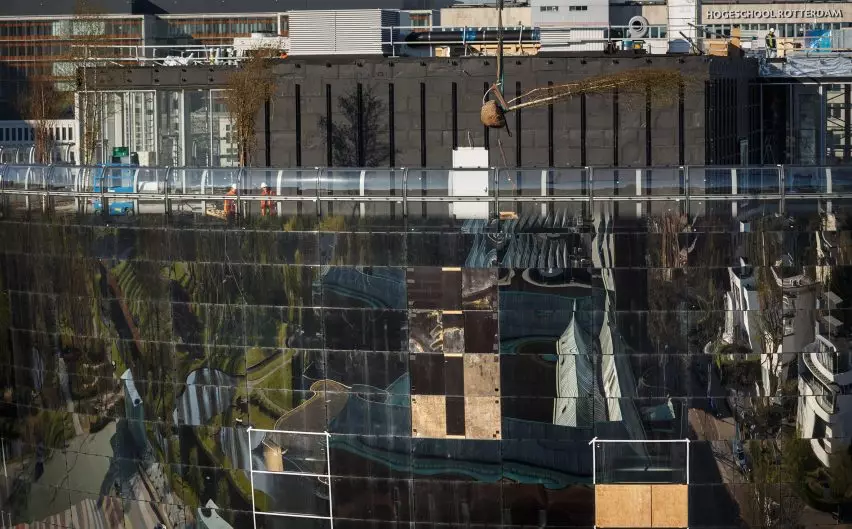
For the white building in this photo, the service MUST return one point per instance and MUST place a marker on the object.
(825, 377)
(742, 307)
(743, 322)
(17, 141)
(578, 402)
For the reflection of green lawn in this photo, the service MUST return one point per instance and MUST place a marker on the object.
(260, 419)
(254, 355)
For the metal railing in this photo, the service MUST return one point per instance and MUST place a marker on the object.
(785, 185)
(473, 40)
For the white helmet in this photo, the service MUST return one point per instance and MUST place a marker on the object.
(263, 185)
(233, 186)
(772, 30)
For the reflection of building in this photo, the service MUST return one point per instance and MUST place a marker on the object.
(578, 402)
(134, 413)
(742, 308)
(798, 301)
(825, 373)
(17, 140)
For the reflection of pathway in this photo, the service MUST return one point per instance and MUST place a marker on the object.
(66, 393)
(262, 363)
(119, 297)
(141, 513)
(313, 415)
(72, 471)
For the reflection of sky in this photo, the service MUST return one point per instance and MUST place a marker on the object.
(381, 288)
(541, 453)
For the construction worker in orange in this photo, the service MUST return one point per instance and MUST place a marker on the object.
(230, 205)
(267, 207)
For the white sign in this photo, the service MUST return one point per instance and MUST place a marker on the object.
(759, 14)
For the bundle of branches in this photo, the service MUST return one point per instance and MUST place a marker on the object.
(659, 85)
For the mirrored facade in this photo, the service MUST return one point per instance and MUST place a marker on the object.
(386, 354)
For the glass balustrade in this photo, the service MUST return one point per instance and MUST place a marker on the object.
(655, 187)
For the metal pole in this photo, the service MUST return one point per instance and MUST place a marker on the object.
(317, 194)
(167, 207)
(404, 192)
(594, 461)
(687, 460)
(328, 475)
(251, 478)
(3, 185)
(45, 203)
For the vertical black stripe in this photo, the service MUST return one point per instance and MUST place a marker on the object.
(847, 117)
(615, 118)
(391, 127)
(267, 134)
(298, 125)
(423, 124)
(328, 132)
(648, 160)
(583, 129)
(709, 129)
(454, 375)
(486, 130)
(455, 415)
(550, 160)
(455, 116)
(518, 129)
(360, 133)
(681, 126)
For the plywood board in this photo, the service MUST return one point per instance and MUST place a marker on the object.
(272, 458)
(482, 417)
(482, 375)
(623, 506)
(428, 416)
(669, 506)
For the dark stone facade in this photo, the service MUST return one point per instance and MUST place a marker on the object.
(423, 108)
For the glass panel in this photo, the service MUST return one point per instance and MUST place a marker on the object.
(198, 128)
(169, 108)
(225, 153)
(805, 180)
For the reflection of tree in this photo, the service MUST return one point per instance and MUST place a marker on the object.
(840, 476)
(194, 475)
(770, 319)
(666, 282)
(223, 495)
(774, 498)
(345, 132)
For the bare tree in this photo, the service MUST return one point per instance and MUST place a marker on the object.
(345, 133)
(250, 86)
(86, 53)
(42, 104)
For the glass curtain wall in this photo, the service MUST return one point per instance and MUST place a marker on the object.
(225, 152)
(198, 128)
(837, 107)
(819, 128)
(169, 128)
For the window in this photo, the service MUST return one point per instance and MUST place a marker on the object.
(548, 8)
(578, 8)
